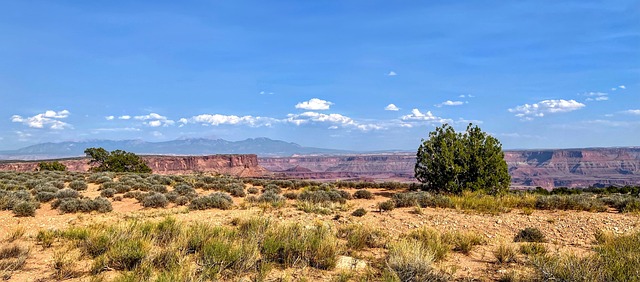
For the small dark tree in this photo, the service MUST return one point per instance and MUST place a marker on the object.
(52, 166)
(116, 161)
(453, 162)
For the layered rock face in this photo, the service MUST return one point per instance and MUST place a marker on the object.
(366, 167)
(545, 168)
(575, 168)
(237, 165)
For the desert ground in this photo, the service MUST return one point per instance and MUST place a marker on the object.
(566, 232)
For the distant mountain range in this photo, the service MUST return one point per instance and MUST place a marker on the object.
(198, 146)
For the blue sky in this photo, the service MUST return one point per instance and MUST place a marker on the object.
(363, 75)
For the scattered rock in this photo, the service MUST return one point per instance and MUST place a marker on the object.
(350, 263)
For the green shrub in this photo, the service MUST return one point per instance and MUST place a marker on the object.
(108, 193)
(363, 194)
(184, 189)
(181, 200)
(72, 205)
(530, 234)
(67, 193)
(359, 212)
(319, 196)
(45, 196)
(253, 190)
(24, 209)
(290, 195)
(51, 166)
(78, 185)
(237, 191)
(155, 200)
(158, 188)
(388, 205)
(271, 198)
(216, 200)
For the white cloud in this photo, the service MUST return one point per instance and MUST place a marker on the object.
(600, 98)
(530, 111)
(391, 107)
(597, 96)
(218, 119)
(334, 119)
(109, 117)
(125, 117)
(392, 73)
(49, 118)
(314, 104)
(632, 112)
(265, 93)
(622, 87)
(468, 96)
(157, 134)
(450, 103)
(155, 120)
(416, 115)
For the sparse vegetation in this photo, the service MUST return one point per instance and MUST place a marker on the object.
(530, 234)
(51, 166)
(184, 249)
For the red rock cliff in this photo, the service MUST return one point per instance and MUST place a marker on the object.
(237, 165)
(545, 168)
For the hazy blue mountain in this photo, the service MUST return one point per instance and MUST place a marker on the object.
(197, 146)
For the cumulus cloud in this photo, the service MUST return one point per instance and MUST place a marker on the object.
(468, 96)
(416, 115)
(218, 119)
(622, 87)
(125, 117)
(335, 120)
(632, 112)
(391, 107)
(314, 104)
(109, 117)
(540, 109)
(450, 103)
(49, 118)
(392, 73)
(155, 120)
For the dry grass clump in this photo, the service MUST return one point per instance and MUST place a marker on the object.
(409, 260)
(433, 241)
(616, 258)
(505, 254)
(12, 258)
(359, 236)
(166, 249)
(464, 241)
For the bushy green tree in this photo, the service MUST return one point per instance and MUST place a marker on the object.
(453, 162)
(116, 161)
(53, 166)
